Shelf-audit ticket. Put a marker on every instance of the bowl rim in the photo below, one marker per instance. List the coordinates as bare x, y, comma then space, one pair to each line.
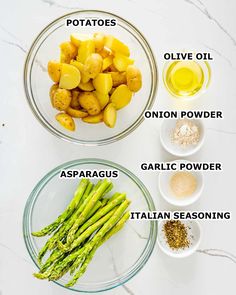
147, 251
191, 151
175, 202
40, 117
187, 252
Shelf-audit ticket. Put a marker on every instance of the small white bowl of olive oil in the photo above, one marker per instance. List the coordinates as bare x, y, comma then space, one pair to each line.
186, 79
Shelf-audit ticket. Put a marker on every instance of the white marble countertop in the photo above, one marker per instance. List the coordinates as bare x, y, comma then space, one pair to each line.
27, 151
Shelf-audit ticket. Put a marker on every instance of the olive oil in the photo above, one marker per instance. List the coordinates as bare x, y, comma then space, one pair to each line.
184, 78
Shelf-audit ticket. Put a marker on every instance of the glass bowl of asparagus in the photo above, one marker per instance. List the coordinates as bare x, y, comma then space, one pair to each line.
78, 230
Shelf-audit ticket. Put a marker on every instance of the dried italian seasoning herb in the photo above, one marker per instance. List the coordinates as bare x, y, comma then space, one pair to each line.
176, 234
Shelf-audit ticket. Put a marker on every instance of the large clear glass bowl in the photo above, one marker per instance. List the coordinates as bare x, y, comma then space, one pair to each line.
121, 257
37, 83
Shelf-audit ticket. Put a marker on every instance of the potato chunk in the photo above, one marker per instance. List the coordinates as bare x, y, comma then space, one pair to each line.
134, 78
94, 119
61, 99
66, 121
121, 96
93, 65
54, 70
86, 48
109, 115
116, 45
121, 62
70, 77
103, 83
90, 103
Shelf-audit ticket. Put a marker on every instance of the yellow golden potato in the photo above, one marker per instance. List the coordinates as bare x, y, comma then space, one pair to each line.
93, 65
76, 113
109, 115
86, 86
75, 99
107, 62
86, 48
68, 52
66, 121
61, 99
121, 96
76, 38
99, 40
103, 83
70, 77
52, 91
134, 78
54, 70
90, 103
94, 119
121, 62
116, 45
103, 98
118, 78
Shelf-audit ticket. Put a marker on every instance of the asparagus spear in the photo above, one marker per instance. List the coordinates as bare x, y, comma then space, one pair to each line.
66, 226
90, 230
90, 204
89, 257
118, 212
95, 209
58, 253
88, 190
67, 213
101, 212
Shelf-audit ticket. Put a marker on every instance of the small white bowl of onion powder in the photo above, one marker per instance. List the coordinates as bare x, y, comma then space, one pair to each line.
179, 238
182, 137
181, 187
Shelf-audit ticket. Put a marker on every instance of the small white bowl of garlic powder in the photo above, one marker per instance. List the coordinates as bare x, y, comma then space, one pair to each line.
182, 137
181, 187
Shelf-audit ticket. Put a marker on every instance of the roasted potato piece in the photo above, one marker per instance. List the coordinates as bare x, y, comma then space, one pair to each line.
76, 113
70, 77
52, 91
54, 70
103, 98
86, 48
86, 86
61, 99
94, 119
66, 121
121, 62
90, 103
134, 78
76, 39
68, 52
116, 45
75, 99
121, 96
93, 65
99, 40
118, 78
107, 62
109, 115
103, 83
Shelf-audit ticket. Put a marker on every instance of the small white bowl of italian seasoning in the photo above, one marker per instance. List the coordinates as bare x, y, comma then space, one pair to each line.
182, 137
179, 238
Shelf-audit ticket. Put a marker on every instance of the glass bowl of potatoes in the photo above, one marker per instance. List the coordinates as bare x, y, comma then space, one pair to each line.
90, 84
